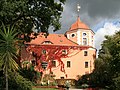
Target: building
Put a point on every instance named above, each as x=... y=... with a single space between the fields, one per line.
x=78 y=41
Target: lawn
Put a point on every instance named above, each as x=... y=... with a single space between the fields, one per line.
x=44 y=89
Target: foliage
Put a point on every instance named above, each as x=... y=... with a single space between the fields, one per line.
x=8 y=43
x=7 y=48
x=30 y=74
x=25 y=14
x=19 y=83
x=107 y=70
x=2 y=82
x=101 y=76
x=16 y=82
x=50 y=78
x=82 y=80
x=44 y=89
x=117 y=83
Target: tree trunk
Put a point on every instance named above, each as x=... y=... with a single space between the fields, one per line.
x=6 y=78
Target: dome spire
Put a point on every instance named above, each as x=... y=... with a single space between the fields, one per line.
x=78 y=9
x=78 y=24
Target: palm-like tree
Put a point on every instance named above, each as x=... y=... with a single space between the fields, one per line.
x=8 y=43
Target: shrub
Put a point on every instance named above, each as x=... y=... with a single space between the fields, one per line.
x=17 y=82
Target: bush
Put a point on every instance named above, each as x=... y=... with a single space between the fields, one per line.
x=2 y=83
x=117 y=83
x=83 y=80
x=30 y=74
x=17 y=82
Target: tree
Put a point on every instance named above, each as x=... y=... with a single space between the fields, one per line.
x=27 y=14
x=8 y=41
x=107 y=70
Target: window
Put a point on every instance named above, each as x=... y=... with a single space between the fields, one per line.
x=84 y=34
x=84 y=41
x=62 y=77
x=54 y=63
x=86 y=64
x=64 y=52
x=44 y=51
x=73 y=35
x=85 y=53
x=68 y=63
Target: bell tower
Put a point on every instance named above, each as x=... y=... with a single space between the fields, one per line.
x=80 y=33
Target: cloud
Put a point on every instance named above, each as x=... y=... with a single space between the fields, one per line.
x=103 y=8
x=92 y=12
x=96 y=14
x=109 y=28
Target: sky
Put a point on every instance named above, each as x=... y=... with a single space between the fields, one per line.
x=102 y=16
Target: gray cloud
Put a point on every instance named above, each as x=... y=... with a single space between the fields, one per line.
x=103 y=8
x=92 y=12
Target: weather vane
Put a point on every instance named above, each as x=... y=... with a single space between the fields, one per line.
x=78 y=9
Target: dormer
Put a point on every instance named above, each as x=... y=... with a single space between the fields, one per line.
x=47 y=42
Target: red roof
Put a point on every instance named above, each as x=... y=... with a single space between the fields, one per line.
x=52 y=39
x=78 y=24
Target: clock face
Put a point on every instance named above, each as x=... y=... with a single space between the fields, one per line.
x=84 y=34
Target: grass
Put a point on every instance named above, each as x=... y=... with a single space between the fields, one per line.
x=44 y=89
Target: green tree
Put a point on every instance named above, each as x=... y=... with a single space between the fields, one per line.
x=8 y=55
x=25 y=14
x=107 y=70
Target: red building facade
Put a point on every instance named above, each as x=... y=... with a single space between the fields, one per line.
x=67 y=55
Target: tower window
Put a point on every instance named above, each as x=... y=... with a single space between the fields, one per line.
x=84 y=41
x=54 y=63
x=68 y=63
x=73 y=35
x=86 y=64
x=84 y=34
x=85 y=53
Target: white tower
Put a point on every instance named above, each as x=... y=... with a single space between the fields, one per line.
x=80 y=33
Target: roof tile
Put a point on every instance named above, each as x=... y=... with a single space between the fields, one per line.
x=78 y=24
x=55 y=39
